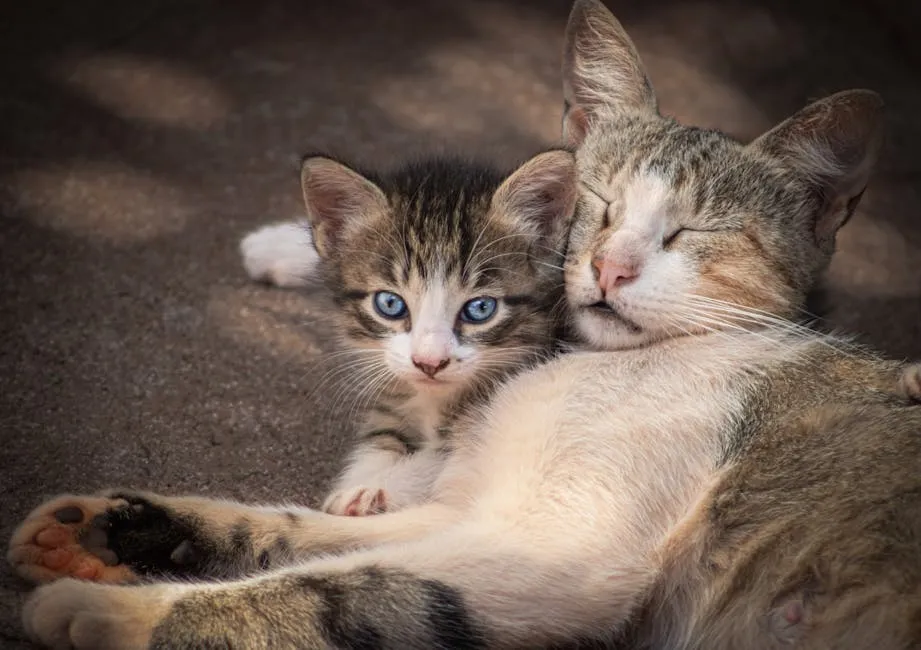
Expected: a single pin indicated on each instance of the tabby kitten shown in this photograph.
(445, 282)
(711, 474)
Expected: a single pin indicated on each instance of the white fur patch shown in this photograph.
(281, 254)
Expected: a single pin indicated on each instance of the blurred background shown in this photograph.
(140, 140)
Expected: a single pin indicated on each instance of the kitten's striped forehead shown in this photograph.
(444, 223)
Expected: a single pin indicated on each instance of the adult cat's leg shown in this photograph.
(463, 588)
(122, 536)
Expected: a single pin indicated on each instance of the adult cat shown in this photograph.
(730, 479)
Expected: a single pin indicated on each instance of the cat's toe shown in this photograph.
(357, 502)
(63, 538)
(85, 616)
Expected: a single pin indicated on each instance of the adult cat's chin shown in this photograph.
(603, 327)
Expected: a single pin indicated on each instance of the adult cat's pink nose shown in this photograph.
(612, 274)
(430, 367)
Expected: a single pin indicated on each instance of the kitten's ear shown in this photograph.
(834, 143)
(602, 71)
(541, 193)
(336, 197)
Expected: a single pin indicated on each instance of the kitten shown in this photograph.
(445, 283)
(712, 474)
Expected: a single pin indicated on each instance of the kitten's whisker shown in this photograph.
(473, 248)
(372, 391)
(349, 382)
(357, 369)
(354, 393)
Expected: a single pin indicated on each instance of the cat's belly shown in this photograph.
(611, 446)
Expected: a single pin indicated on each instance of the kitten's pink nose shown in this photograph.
(612, 275)
(430, 367)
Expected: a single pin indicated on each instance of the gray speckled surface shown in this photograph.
(139, 141)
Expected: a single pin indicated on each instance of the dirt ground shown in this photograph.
(140, 140)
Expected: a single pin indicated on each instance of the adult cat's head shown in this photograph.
(682, 230)
(445, 272)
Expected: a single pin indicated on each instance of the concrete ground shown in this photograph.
(139, 141)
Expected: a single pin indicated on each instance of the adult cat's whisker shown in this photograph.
(479, 264)
(771, 321)
(747, 310)
(365, 251)
(713, 323)
(395, 246)
(551, 266)
(475, 244)
(560, 253)
(481, 271)
(473, 260)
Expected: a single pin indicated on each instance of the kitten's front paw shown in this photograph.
(356, 502)
(66, 537)
(86, 616)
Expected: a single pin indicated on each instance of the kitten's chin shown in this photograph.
(427, 385)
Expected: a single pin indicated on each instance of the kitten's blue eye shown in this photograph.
(479, 310)
(390, 305)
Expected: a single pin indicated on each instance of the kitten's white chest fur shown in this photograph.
(426, 411)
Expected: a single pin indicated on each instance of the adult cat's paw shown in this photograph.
(115, 538)
(66, 537)
(85, 616)
(356, 502)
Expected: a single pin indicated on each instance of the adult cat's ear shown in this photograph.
(602, 71)
(834, 144)
(542, 194)
(336, 198)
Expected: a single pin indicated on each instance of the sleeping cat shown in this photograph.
(444, 283)
(711, 473)
(440, 296)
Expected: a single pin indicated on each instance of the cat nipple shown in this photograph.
(786, 621)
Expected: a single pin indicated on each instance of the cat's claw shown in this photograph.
(357, 502)
(66, 537)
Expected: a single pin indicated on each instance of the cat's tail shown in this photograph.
(281, 254)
